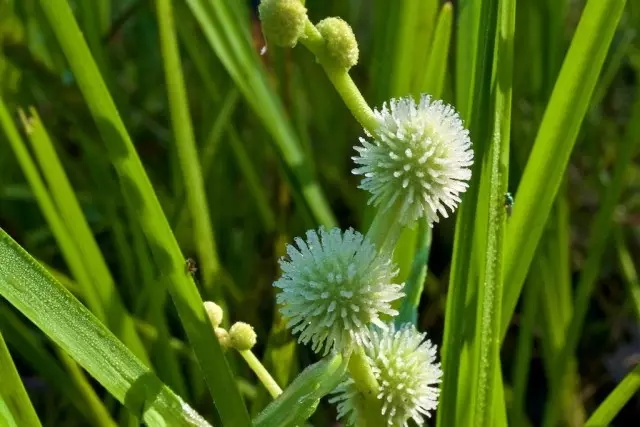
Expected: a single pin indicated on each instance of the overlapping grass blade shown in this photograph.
(487, 368)
(462, 283)
(300, 399)
(433, 77)
(629, 271)
(66, 203)
(15, 406)
(140, 195)
(68, 379)
(34, 292)
(598, 236)
(625, 391)
(555, 140)
(203, 235)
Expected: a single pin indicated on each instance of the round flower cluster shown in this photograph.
(334, 285)
(404, 365)
(419, 158)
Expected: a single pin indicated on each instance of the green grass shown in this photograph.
(135, 135)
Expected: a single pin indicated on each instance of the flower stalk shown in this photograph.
(340, 78)
(261, 372)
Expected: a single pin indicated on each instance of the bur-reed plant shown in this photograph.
(401, 114)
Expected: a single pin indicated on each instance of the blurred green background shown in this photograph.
(255, 184)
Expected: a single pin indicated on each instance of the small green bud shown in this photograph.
(242, 336)
(214, 311)
(223, 337)
(283, 21)
(341, 44)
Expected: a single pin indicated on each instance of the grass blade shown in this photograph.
(72, 383)
(418, 274)
(141, 196)
(462, 281)
(624, 391)
(436, 68)
(62, 194)
(555, 140)
(29, 288)
(203, 234)
(15, 406)
(629, 271)
(598, 236)
(496, 171)
(300, 399)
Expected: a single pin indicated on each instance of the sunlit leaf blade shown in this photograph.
(37, 295)
(555, 140)
(301, 397)
(15, 407)
(141, 196)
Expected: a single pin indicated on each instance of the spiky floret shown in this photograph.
(419, 157)
(405, 366)
(334, 285)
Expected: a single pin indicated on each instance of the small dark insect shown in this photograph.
(508, 203)
(191, 266)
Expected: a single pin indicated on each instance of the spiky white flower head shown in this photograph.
(420, 157)
(405, 366)
(334, 285)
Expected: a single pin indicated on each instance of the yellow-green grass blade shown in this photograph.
(36, 294)
(456, 358)
(140, 196)
(609, 408)
(69, 250)
(66, 203)
(203, 235)
(598, 236)
(524, 349)
(71, 383)
(487, 368)
(628, 270)
(555, 140)
(15, 406)
(404, 60)
(424, 36)
(299, 401)
(432, 79)
(408, 311)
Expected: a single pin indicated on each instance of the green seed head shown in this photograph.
(242, 336)
(283, 21)
(341, 44)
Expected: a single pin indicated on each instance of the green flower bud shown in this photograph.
(223, 337)
(214, 311)
(283, 21)
(341, 44)
(242, 336)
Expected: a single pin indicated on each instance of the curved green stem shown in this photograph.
(340, 79)
(261, 372)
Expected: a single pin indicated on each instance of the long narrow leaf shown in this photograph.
(30, 288)
(487, 363)
(186, 148)
(62, 194)
(140, 194)
(555, 140)
(598, 236)
(15, 406)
